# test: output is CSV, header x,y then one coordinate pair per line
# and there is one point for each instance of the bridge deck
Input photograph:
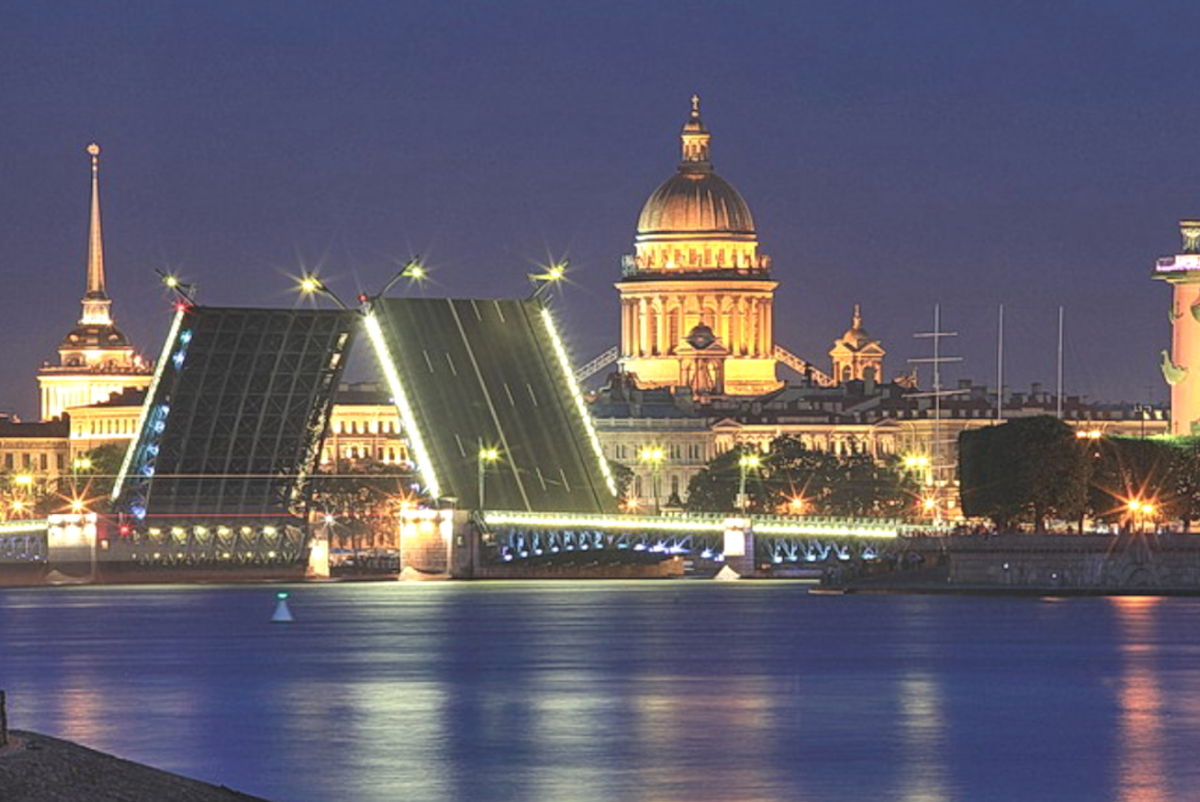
x,y
490,373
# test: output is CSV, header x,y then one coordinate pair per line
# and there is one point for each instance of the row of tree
x,y
793,478
1030,471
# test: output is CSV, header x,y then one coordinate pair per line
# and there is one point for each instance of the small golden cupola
x,y
856,355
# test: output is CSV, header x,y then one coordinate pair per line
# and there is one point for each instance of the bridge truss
x,y
779,541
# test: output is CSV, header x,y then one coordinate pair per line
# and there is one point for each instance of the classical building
x,y
95,359
696,294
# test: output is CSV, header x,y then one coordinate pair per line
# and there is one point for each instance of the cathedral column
x,y
752,319
627,327
769,326
660,317
643,334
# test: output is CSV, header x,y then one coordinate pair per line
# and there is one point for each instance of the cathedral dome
x,y
696,202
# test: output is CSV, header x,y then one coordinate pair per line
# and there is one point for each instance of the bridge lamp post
x,y
746,463
310,284
487,456
553,274
653,456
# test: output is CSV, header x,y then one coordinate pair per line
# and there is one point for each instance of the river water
x,y
656,691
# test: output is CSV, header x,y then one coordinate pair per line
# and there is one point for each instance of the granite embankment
x,y
38,768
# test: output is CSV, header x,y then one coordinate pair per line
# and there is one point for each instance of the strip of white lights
x,y
17,527
424,464
834,530
569,376
604,522
163,358
686,524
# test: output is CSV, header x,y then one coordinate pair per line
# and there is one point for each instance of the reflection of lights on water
x,y
1141,767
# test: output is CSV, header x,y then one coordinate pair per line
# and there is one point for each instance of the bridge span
x,y
516,543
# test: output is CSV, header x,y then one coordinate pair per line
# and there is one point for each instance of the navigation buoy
x,y
282,614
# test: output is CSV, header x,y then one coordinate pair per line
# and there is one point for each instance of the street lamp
x,y
413,270
552,275
653,456
746,463
310,284
486,457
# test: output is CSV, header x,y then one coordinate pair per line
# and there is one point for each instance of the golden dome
x,y
696,201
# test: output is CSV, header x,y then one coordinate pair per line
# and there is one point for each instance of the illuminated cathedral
x,y
697,297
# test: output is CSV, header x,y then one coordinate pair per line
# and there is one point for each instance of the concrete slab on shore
x,y
38,768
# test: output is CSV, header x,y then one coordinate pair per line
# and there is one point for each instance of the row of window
x,y
672,451
104,426
646,484
366,427
385,454
28,461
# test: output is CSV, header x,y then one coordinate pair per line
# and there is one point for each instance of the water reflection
x,y
651,692
721,729
923,747
1142,774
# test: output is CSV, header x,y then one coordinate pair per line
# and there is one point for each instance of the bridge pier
x,y
739,546
437,542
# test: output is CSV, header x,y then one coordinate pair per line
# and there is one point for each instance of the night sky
x,y
894,154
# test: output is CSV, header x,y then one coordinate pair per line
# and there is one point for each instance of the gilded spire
x,y
95,300
695,141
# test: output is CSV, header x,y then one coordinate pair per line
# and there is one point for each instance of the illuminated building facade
x,y
1181,364
95,358
696,295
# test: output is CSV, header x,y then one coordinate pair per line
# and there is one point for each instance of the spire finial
x,y
857,323
695,141
95,301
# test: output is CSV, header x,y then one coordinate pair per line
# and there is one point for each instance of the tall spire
x,y
95,301
695,141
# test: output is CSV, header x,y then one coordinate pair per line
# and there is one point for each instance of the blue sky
x,y
894,155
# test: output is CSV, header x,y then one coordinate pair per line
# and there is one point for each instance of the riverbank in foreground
x,y
38,768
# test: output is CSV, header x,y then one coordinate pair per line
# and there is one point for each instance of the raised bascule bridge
x,y
218,481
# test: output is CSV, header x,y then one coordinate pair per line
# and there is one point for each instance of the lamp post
x,y
746,462
553,274
310,284
20,502
486,457
653,456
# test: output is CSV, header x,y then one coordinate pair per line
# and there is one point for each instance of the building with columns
x,y
696,294
95,359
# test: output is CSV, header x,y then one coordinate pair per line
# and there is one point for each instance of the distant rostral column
x,y
95,358
1181,365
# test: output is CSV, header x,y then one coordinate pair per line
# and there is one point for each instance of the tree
x,y
823,483
1025,471
364,500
